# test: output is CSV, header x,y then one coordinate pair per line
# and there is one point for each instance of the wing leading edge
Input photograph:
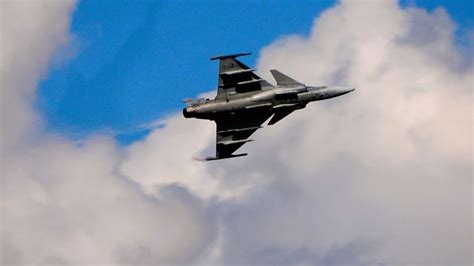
x,y
233,131
236,77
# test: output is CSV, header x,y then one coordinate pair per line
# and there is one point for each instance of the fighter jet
x,y
245,101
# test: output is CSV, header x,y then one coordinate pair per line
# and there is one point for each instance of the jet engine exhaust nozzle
x,y
189,112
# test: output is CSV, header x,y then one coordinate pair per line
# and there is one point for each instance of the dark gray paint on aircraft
x,y
245,101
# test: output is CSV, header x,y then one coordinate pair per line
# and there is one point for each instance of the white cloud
x,y
30,33
381,175
67,203
390,163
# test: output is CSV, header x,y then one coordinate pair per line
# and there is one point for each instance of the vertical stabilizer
x,y
284,80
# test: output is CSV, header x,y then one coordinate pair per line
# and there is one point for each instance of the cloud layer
x,y
382,175
65,202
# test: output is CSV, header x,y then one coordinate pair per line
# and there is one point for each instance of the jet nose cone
x,y
345,90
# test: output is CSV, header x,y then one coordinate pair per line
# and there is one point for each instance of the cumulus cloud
x,y
382,175
64,202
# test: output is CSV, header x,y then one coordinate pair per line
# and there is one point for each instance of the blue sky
x,y
132,62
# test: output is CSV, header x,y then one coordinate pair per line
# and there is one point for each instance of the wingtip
x,y
228,56
219,158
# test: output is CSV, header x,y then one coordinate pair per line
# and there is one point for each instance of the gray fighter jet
x,y
245,101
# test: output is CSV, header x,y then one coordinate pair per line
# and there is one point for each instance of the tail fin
x,y
283,80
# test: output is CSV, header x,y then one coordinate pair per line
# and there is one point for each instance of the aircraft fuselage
x,y
270,100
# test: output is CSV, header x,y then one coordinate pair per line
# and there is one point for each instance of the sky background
x,y
131,63
381,176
